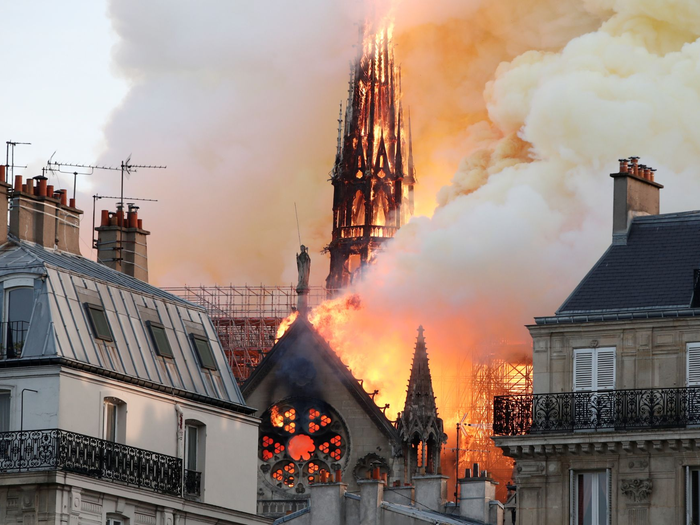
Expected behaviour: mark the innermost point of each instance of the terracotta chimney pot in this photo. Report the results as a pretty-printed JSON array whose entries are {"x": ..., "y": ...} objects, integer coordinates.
[{"x": 18, "y": 182}]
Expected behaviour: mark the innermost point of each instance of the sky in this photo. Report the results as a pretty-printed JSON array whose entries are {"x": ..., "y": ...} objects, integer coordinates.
[{"x": 520, "y": 111}]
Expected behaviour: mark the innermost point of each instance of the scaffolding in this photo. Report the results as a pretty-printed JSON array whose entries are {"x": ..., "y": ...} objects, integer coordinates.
[
  {"x": 247, "y": 317},
  {"x": 499, "y": 369}
]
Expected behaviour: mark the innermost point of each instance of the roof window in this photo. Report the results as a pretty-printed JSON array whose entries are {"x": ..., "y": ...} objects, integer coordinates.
[
  {"x": 206, "y": 357},
  {"x": 99, "y": 322},
  {"x": 160, "y": 339}
]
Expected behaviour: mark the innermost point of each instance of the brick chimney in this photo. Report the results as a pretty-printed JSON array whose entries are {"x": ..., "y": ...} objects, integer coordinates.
[
  {"x": 121, "y": 242},
  {"x": 43, "y": 216},
  {"x": 635, "y": 193},
  {"x": 477, "y": 498}
]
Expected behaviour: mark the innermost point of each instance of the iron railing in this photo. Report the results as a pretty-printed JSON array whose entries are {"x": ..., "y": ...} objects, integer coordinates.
[
  {"x": 13, "y": 336},
  {"x": 32, "y": 450},
  {"x": 609, "y": 410},
  {"x": 274, "y": 508},
  {"x": 193, "y": 483}
]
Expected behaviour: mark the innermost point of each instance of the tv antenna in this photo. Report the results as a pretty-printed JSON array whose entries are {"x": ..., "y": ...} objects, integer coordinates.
[
  {"x": 10, "y": 158},
  {"x": 128, "y": 168},
  {"x": 97, "y": 197},
  {"x": 57, "y": 166}
]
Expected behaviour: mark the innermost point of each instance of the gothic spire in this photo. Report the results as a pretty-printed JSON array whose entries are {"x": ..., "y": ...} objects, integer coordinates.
[{"x": 420, "y": 398}]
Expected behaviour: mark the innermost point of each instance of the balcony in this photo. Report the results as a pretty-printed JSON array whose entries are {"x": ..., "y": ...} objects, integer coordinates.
[
  {"x": 193, "y": 484},
  {"x": 663, "y": 408},
  {"x": 45, "y": 450},
  {"x": 13, "y": 336}
]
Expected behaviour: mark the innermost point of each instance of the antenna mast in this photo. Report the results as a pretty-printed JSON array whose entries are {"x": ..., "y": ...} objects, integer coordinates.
[
  {"x": 10, "y": 158},
  {"x": 129, "y": 168}
]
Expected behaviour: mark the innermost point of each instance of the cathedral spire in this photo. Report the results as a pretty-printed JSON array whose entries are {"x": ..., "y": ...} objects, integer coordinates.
[{"x": 419, "y": 426}]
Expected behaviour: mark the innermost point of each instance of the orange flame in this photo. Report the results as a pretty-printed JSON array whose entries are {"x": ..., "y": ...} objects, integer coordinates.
[{"x": 276, "y": 418}]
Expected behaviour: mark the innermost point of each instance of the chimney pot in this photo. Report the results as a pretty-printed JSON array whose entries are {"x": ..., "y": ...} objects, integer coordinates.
[
  {"x": 72, "y": 203},
  {"x": 623, "y": 165},
  {"x": 49, "y": 191},
  {"x": 140, "y": 224},
  {"x": 18, "y": 182},
  {"x": 104, "y": 218},
  {"x": 42, "y": 186},
  {"x": 376, "y": 473},
  {"x": 24, "y": 188},
  {"x": 2, "y": 173},
  {"x": 338, "y": 476}
]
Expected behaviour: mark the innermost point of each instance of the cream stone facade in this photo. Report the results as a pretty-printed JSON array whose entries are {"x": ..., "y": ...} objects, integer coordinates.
[{"x": 611, "y": 433}]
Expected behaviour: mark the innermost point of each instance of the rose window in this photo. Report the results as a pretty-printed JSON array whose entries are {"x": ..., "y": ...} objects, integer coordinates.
[{"x": 302, "y": 441}]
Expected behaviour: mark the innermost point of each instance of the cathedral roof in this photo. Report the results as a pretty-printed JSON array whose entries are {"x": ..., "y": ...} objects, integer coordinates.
[{"x": 302, "y": 333}]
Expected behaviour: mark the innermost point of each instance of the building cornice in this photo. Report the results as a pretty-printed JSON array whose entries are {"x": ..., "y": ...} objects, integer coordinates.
[{"x": 150, "y": 385}]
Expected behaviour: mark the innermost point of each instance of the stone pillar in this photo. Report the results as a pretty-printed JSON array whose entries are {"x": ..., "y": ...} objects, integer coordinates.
[
  {"x": 431, "y": 492},
  {"x": 371, "y": 497},
  {"x": 328, "y": 503},
  {"x": 475, "y": 496}
]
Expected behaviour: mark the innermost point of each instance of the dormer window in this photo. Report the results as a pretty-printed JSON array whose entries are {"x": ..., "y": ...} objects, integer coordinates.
[
  {"x": 201, "y": 345},
  {"x": 19, "y": 304},
  {"x": 160, "y": 339},
  {"x": 99, "y": 322}
]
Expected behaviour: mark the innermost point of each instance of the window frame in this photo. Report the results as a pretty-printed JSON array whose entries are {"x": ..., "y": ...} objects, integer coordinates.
[
  {"x": 110, "y": 403},
  {"x": 574, "y": 493},
  {"x": 156, "y": 346},
  {"x": 9, "y": 286},
  {"x": 596, "y": 354},
  {"x": 90, "y": 308},
  {"x": 194, "y": 338}
]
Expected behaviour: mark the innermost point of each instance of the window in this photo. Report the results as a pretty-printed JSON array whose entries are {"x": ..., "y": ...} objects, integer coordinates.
[
  {"x": 114, "y": 420},
  {"x": 98, "y": 320},
  {"x": 206, "y": 357},
  {"x": 195, "y": 437},
  {"x": 693, "y": 364},
  {"x": 160, "y": 339},
  {"x": 19, "y": 303},
  {"x": 692, "y": 495},
  {"x": 594, "y": 369},
  {"x": 4, "y": 411},
  {"x": 590, "y": 498}
]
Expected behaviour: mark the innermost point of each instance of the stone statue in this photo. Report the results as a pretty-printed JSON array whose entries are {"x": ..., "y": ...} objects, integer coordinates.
[{"x": 304, "y": 267}]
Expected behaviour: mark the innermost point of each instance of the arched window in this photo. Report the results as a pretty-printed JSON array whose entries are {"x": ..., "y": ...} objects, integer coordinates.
[
  {"x": 358, "y": 209},
  {"x": 17, "y": 312},
  {"x": 380, "y": 208},
  {"x": 195, "y": 450},
  {"x": 114, "y": 420}
]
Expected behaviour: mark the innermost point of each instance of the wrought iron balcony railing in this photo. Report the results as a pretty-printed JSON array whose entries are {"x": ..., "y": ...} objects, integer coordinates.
[
  {"x": 193, "y": 483},
  {"x": 608, "y": 410},
  {"x": 32, "y": 450},
  {"x": 13, "y": 336}
]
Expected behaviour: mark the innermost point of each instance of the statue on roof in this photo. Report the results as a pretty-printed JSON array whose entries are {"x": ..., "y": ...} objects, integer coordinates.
[{"x": 304, "y": 268}]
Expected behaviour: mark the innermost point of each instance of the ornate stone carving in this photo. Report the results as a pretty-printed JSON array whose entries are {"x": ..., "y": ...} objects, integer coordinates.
[{"x": 636, "y": 489}]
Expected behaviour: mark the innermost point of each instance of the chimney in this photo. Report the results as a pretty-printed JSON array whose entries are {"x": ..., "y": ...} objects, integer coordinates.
[
  {"x": 635, "y": 193},
  {"x": 477, "y": 500},
  {"x": 4, "y": 187},
  {"x": 327, "y": 503},
  {"x": 431, "y": 492},
  {"x": 121, "y": 242},
  {"x": 42, "y": 218},
  {"x": 371, "y": 497}
]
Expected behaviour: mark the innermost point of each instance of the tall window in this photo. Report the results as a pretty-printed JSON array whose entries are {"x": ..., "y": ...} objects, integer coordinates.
[
  {"x": 4, "y": 411},
  {"x": 594, "y": 369},
  {"x": 19, "y": 303},
  {"x": 195, "y": 437},
  {"x": 692, "y": 495},
  {"x": 590, "y": 498},
  {"x": 114, "y": 420},
  {"x": 192, "y": 445}
]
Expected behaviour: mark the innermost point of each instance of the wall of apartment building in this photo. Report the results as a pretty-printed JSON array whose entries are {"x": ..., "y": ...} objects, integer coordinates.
[{"x": 649, "y": 353}]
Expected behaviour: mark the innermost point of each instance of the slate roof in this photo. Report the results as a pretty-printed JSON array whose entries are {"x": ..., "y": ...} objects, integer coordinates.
[
  {"x": 653, "y": 271},
  {"x": 298, "y": 334},
  {"x": 60, "y": 331}
]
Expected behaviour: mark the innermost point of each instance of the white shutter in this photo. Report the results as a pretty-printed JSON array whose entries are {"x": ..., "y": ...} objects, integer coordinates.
[
  {"x": 583, "y": 369},
  {"x": 605, "y": 369},
  {"x": 693, "y": 364}
]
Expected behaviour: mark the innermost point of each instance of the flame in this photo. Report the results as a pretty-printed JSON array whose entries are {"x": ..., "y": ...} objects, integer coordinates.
[
  {"x": 276, "y": 418},
  {"x": 285, "y": 324}
]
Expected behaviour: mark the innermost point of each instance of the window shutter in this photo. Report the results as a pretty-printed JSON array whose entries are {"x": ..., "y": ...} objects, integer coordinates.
[
  {"x": 693, "y": 364},
  {"x": 605, "y": 369},
  {"x": 583, "y": 369}
]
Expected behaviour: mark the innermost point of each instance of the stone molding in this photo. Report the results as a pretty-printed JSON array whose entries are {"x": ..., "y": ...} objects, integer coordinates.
[
  {"x": 637, "y": 490},
  {"x": 575, "y": 444}
]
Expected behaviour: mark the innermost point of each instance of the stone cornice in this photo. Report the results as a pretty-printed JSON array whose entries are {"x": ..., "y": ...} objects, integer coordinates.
[{"x": 577, "y": 444}]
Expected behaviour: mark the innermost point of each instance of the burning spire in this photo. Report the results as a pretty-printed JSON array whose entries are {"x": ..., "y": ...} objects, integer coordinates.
[{"x": 373, "y": 194}]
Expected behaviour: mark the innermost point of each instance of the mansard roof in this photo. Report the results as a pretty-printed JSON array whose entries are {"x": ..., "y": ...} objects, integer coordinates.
[
  {"x": 655, "y": 271},
  {"x": 60, "y": 332},
  {"x": 302, "y": 333}
]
